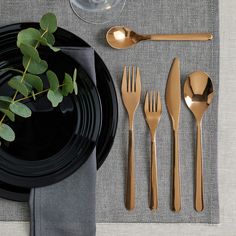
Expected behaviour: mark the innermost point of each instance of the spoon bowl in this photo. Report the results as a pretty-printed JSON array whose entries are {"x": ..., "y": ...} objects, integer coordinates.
[
  {"x": 198, "y": 94},
  {"x": 120, "y": 37}
]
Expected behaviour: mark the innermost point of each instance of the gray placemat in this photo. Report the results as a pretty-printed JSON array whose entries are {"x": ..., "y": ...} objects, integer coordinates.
[{"x": 154, "y": 60}]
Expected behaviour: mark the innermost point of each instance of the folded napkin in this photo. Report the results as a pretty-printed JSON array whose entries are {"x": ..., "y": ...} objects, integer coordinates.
[{"x": 67, "y": 208}]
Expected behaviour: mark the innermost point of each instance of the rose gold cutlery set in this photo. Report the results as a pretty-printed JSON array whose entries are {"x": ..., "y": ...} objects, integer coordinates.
[{"x": 198, "y": 94}]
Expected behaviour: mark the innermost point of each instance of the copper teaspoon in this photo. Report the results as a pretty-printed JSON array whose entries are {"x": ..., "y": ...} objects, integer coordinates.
[
  {"x": 121, "y": 37},
  {"x": 198, "y": 94}
]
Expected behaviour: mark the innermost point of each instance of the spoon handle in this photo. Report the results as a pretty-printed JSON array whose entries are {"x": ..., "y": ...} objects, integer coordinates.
[
  {"x": 199, "y": 205},
  {"x": 182, "y": 37},
  {"x": 176, "y": 176}
]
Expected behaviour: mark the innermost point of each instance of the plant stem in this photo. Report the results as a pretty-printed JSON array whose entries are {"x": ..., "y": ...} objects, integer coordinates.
[
  {"x": 23, "y": 76},
  {"x": 2, "y": 119},
  {"x": 36, "y": 94}
]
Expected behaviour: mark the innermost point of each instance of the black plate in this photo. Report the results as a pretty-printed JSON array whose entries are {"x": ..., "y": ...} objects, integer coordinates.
[
  {"x": 53, "y": 142},
  {"x": 105, "y": 87}
]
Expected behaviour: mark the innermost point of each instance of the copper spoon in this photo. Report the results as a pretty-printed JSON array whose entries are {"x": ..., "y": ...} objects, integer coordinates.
[
  {"x": 121, "y": 37},
  {"x": 198, "y": 94}
]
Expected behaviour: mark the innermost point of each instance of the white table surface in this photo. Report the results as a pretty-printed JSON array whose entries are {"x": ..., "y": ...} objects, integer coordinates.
[{"x": 226, "y": 154}]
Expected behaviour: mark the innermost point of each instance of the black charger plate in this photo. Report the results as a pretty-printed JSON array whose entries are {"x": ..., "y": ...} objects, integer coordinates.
[{"x": 105, "y": 87}]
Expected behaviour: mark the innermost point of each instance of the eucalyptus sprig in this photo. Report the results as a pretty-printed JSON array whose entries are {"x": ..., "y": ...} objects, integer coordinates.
[{"x": 28, "y": 83}]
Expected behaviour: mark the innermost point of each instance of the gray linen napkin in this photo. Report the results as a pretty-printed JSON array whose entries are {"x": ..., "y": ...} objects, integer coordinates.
[{"x": 67, "y": 208}]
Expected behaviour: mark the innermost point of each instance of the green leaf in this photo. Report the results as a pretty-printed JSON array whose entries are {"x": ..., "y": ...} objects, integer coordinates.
[
  {"x": 35, "y": 67},
  {"x": 35, "y": 81},
  {"x": 8, "y": 113},
  {"x": 7, "y": 133},
  {"x": 49, "y": 37},
  {"x": 28, "y": 50},
  {"x": 5, "y": 102},
  {"x": 43, "y": 41},
  {"x": 53, "y": 80},
  {"x": 16, "y": 84},
  {"x": 49, "y": 22},
  {"x": 74, "y": 82},
  {"x": 55, "y": 97},
  {"x": 20, "y": 109},
  {"x": 5, "y": 98},
  {"x": 28, "y": 36},
  {"x": 68, "y": 86},
  {"x": 55, "y": 49}
]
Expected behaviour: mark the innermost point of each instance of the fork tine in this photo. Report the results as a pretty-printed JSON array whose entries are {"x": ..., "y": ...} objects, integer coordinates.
[
  {"x": 159, "y": 106},
  {"x": 156, "y": 107},
  {"x": 124, "y": 81},
  {"x": 150, "y": 102},
  {"x": 146, "y": 104},
  {"x": 138, "y": 81},
  {"x": 154, "y": 101},
  {"x": 133, "y": 79},
  {"x": 129, "y": 80}
]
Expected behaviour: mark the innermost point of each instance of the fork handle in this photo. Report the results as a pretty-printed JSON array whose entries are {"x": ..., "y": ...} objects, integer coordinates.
[
  {"x": 153, "y": 178},
  {"x": 176, "y": 176},
  {"x": 130, "y": 194}
]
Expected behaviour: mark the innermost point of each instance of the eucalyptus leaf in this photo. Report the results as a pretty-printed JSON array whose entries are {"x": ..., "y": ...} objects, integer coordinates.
[
  {"x": 4, "y": 105},
  {"x": 68, "y": 86},
  {"x": 20, "y": 109},
  {"x": 16, "y": 84},
  {"x": 6, "y": 132},
  {"x": 8, "y": 113},
  {"x": 28, "y": 36},
  {"x": 35, "y": 67},
  {"x": 53, "y": 80},
  {"x": 28, "y": 86},
  {"x": 5, "y": 98},
  {"x": 49, "y": 37},
  {"x": 35, "y": 81},
  {"x": 49, "y": 22},
  {"x": 5, "y": 102},
  {"x": 28, "y": 50},
  {"x": 43, "y": 41},
  {"x": 55, "y": 97}
]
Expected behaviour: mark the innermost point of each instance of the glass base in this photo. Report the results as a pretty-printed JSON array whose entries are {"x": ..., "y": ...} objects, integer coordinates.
[{"x": 98, "y": 11}]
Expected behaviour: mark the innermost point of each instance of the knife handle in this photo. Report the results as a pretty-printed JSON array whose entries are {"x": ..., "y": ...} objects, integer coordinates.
[
  {"x": 130, "y": 194},
  {"x": 176, "y": 176}
]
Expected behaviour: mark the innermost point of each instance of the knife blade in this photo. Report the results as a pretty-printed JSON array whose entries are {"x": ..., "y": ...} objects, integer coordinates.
[{"x": 173, "y": 103}]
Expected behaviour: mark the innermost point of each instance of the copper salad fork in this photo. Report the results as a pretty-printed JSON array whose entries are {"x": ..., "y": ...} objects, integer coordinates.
[
  {"x": 131, "y": 92},
  {"x": 153, "y": 110}
]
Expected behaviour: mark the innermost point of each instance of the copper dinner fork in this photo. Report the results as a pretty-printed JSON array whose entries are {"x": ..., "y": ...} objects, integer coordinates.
[
  {"x": 131, "y": 92},
  {"x": 153, "y": 110}
]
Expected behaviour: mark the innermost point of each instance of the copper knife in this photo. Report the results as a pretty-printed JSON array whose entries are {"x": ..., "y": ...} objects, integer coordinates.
[{"x": 173, "y": 102}]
